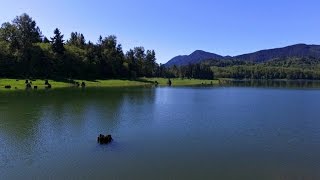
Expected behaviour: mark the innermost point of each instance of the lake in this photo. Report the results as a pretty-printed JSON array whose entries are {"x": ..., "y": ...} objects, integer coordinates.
[{"x": 161, "y": 133}]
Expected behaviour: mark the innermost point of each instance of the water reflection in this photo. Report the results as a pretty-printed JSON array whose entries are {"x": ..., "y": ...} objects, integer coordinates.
[
  {"x": 33, "y": 122},
  {"x": 27, "y": 108},
  {"x": 272, "y": 83},
  {"x": 166, "y": 132}
]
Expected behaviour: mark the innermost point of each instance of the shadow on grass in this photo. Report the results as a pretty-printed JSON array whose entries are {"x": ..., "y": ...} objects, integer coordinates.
[
  {"x": 144, "y": 80},
  {"x": 72, "y": 81}
]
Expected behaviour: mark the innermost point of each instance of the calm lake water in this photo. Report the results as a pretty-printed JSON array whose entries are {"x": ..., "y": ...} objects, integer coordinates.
[{"x": 161, "y": 133}]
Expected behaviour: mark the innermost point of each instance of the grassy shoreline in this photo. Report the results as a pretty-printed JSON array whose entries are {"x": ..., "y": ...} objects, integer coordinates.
[{"x": 19, "y": 84}]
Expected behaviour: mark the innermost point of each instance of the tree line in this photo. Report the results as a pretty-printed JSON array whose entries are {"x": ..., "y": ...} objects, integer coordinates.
[
  {"x": 25, "y": 53},
  {"x": 292, "y": 68}
]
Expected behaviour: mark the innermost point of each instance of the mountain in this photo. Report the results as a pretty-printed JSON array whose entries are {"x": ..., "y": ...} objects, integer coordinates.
[
  {"x": 195, "y": 57},
  {"x": 297, "y": 50}
]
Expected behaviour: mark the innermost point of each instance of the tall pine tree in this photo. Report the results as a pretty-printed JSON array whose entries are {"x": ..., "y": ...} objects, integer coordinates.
[{"x": 57, "y": 42}]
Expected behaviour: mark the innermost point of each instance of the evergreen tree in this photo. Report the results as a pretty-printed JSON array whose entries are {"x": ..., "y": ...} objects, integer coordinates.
[
  {"x": 77, "y": 39},
  {"x": 73, "y": 39},
  {"x": 150, "y": 63},
  {"x": 45, "y": 40},
  {"x": 57, "y": 42}
]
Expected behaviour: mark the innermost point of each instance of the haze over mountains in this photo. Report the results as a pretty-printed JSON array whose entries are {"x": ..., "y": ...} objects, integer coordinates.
[{"x": 297, "y": 50}]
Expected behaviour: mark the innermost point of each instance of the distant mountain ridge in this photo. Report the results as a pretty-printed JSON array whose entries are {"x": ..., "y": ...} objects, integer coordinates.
[
  {"x": 297, "y": 50},
  {"x": 195, "y": 57}
]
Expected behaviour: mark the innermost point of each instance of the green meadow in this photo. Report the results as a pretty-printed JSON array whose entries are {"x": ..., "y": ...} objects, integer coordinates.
[{"x": 20, "y": 84}]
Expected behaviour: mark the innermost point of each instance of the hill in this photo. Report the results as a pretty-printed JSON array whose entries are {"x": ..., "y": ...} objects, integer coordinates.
[
  {"x": 298, "y": 50},
  {"x": 194, "y": 58}
]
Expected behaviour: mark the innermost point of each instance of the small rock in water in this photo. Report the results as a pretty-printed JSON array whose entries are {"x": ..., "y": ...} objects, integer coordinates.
[{"x": 102, "y": 139}]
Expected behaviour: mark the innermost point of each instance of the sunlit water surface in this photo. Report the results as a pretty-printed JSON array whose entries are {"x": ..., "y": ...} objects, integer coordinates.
[{"x": 161, "y": 133}]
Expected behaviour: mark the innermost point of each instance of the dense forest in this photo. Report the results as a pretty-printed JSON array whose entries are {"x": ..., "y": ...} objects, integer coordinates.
[
  {"x": 26, "y": 53},
  {"x": 281, "y": 68}
]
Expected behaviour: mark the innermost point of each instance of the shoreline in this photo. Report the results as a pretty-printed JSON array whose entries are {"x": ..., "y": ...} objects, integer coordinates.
[{"x": 20, "y": 84}]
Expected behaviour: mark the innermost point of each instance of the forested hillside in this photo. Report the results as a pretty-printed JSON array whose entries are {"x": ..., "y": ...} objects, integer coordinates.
[
  {"x": 297, "y": 50},
  {"x": 282, "y": 68},
  {"x": 26, "y": 53}
]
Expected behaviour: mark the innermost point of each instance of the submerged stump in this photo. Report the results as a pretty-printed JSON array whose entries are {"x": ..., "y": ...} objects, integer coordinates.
[
  {"x": 28, "y": 86},
  {"x": 102, "y": 139},
  {"x": 169, "y": 82},
  {"x": 48, "y": 86}
]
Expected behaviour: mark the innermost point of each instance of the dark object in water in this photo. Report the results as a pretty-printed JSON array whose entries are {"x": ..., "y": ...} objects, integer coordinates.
[
  {"x": 27, "y": 81},
  {"x": 7, "y": 87},
  {"x": 28, "y": 86},
  {"x": 35, "y": 87},
  {"x": 102, "y": 139},
  {"x": 48, "y": 86},
  {"x": 46, "y": 82},
  {"x": 77, "y": 84},
  {"x": 169, "y": 82},
  {"x": 83, "y": 84}
]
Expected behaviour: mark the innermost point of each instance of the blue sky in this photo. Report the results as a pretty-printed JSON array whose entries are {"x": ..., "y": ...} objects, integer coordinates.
[{"x": 174, "y": 27}]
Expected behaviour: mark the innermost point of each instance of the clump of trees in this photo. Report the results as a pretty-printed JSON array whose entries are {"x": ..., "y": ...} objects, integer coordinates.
[
  {"x": 196, "y": 71},
  {"x": 25, "y": 52}
]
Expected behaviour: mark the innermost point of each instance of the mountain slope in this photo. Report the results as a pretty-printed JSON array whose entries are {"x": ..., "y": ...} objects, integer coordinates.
[
  {"x": 195, "y": 57},
  {"x": 298, "y": 50}
]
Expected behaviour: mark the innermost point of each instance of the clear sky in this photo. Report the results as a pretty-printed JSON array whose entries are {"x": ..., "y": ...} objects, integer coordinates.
[{"x": 174, "y": 27}]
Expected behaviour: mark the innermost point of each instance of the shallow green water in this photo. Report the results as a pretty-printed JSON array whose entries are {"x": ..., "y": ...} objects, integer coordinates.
[{"x": 161, "y": 133}]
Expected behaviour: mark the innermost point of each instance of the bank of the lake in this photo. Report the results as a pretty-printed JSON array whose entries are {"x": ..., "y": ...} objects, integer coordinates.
[
  {"x": 271, "y": 83},
  {"x": 19, "y": 84}
]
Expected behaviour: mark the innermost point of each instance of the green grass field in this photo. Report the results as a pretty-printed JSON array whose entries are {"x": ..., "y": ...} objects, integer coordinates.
[
  {"x": 20, "y": 83},
  {"x": 182, "y": 82}
]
